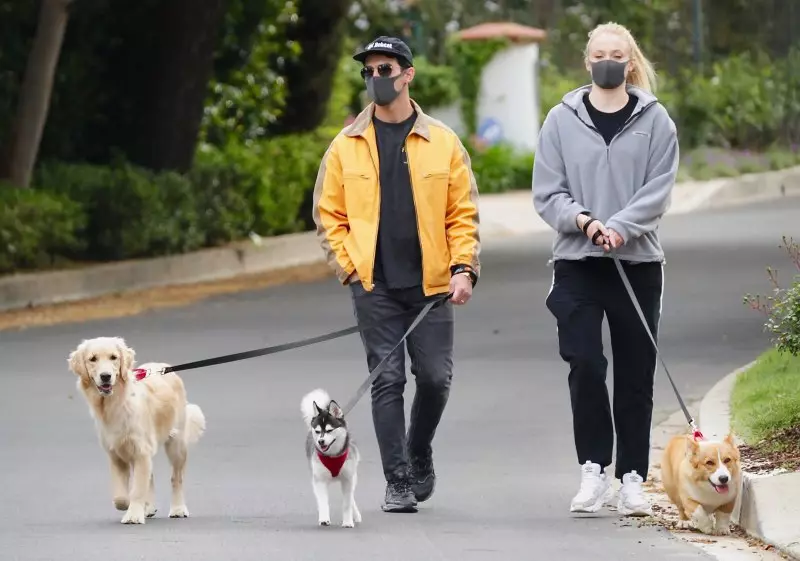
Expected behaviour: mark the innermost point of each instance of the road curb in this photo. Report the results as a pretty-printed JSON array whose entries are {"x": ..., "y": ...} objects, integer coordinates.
[
  {"x": 214, "y": 264},
  {"x": 768, "y": 506},
  {"x": 502, "y": 215}
]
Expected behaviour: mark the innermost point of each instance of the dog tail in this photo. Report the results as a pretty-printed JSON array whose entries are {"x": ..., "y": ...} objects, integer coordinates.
[
  {"x": 318, "y": 396},
  {"x": 195, "y": 423}
]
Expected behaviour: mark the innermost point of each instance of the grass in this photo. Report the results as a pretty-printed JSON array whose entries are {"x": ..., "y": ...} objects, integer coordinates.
[
  {"x": 766, "y": 398},
  {"x": 710, "y": 163}
]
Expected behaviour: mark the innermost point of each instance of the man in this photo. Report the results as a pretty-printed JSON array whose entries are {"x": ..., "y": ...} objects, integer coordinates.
[{"x": 396, "y": 209}]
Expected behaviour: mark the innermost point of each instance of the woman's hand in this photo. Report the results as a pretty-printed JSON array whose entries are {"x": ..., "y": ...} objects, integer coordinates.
[
  {"x": 595, "y": 231},
  {"x": 615, "y": 239}
]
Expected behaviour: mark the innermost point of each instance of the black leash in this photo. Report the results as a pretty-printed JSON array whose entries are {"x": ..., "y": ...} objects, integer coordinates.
[
  {"x": 273, "y": 349},
  {"x": 696, "y": 432},
  {"x": 382, "y": 364}
]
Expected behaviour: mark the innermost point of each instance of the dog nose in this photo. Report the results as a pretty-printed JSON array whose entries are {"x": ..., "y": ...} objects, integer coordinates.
[
  {"x": 105, "y": 378},
  {"x": 321, "y": 441},
  {"x": 723, "y": 478}
]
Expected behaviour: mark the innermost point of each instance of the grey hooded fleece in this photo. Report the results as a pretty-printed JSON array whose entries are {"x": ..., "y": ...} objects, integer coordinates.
[{"x": 627, "y": 185}]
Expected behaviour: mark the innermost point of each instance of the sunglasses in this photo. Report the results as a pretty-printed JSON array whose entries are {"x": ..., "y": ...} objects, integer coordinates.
[{"x": 384, "y": 69}]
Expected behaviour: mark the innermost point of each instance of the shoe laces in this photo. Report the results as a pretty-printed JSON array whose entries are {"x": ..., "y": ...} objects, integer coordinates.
[
  {"x": 589, "y": 479},
  {"x": 400, "y": 486},
  {"x": 632, "y": 487}
]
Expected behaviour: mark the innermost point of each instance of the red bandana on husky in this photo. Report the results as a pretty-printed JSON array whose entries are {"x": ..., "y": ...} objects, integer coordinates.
[{"x": 333, "y": 463}]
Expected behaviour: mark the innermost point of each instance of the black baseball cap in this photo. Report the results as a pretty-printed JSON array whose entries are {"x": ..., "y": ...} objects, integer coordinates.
[{"x": 391, "y": 46}]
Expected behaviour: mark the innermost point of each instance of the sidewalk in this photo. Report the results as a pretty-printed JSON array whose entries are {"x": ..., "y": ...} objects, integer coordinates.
[{"x": 502, "y": 215}]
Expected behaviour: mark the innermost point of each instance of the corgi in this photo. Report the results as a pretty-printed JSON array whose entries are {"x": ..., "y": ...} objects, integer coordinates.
[{"x": 702, "y": 479}]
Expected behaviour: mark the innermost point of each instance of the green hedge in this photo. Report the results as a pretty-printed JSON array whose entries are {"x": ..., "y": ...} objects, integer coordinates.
[{"x": 36, "y": 228}]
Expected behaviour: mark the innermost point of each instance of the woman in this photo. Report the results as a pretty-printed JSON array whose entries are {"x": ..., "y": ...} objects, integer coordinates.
[{"x": 605, "y": 166}]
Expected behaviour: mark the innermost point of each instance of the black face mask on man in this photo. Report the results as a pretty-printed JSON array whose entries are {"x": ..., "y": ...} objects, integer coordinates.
[
  {"x": 381, "y": 89},
  {"x": 608, "y": 74}
]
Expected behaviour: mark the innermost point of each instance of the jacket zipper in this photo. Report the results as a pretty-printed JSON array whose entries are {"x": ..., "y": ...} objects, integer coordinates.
[
  {"x": 378, "y": 217},
  {"x": 622, "y": 129},
  {"x": 416, "y": 210}
]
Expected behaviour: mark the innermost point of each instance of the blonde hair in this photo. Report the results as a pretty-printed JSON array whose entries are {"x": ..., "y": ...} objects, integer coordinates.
[{"x": 642, "y": 75}]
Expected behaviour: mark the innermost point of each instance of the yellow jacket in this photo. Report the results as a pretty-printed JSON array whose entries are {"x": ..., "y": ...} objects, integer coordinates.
[{"x": 347, "y": 201}]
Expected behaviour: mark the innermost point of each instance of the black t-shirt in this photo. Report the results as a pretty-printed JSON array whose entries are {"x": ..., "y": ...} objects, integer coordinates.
[
  {"x": 609, "y": 123},
  {"x": 398, "y": 257}
]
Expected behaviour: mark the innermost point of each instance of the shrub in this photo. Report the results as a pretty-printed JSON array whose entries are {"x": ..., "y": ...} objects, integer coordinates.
[
  {"x": 434, "y": 85},
  {"x": 553, "y": 84},
  {"x": 248, "y": 91},
  {"x": 272, "y": 175},
  {"x": 131, "y": 212},
  {"x": 500, "y": 168},
  {"x": 36, "y": 227},
  {"x": 746, "y": 101},
  {"x": 783, "y": 307}
]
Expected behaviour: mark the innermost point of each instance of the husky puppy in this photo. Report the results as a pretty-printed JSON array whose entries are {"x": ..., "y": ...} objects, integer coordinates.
[{"x": 331, "y": 454}]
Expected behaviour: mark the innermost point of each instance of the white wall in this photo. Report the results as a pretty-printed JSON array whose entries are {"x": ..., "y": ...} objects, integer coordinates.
[
  {"x": 450, "y": 115},
  {"x": 508, "y": 95}
]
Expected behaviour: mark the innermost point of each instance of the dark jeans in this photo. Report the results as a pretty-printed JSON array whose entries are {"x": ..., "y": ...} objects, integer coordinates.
[
  {"x": 430, "y": 347},
  {"x": 582, "y": 293}
]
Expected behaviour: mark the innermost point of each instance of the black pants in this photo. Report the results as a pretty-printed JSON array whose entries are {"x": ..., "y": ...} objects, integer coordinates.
[
  {"x": 582, "y": 293},
  {"x": 430, "y": 347}
]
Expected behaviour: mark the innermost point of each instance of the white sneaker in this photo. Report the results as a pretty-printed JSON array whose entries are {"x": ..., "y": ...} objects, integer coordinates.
[
  {"x": 632, "y": 501},
  {"x": 595, "y": 486}
]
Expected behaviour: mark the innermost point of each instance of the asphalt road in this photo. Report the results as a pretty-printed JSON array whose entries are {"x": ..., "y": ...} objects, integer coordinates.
[{"x": 504, "y": 451}]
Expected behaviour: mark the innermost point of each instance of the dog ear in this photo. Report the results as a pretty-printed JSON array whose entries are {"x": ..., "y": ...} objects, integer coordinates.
[
  {"x": 126, "y": 358},
  {"x": 317, "y": 410},
  {"x": 76, "y": 362},
  {"x": 335, "y": 410},
  {"x": 692, "y": 447},
  {"x": 730, "y": 440}
]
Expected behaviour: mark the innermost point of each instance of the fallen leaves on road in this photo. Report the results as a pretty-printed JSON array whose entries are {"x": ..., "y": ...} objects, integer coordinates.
[{"x": 137, "y": 302}]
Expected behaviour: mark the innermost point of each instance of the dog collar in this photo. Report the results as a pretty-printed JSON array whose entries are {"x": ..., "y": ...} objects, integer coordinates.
[{"x": 333, "y": 463}]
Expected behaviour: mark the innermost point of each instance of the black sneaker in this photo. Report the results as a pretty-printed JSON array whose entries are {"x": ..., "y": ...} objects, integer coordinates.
[
  {"x": 423, "y": 478},
  {"x": 399, "y": 497}
]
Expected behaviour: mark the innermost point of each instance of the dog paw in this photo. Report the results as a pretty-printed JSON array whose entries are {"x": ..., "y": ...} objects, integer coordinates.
[
  {"x": 684, "y": 525},
  {"x": 722, "y": 530},
  {"x": 121, "y": 503},
  {"x": 179, "y": 511},
  {"x": 348, "y": 524},
  {"x": 134, "y": 515},
  {"x": 324, "y": 522},
  {"x": 150, "y": 510}
]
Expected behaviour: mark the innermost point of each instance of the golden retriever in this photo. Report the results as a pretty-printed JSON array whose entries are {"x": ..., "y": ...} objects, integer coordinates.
[{"x": 133, "y": 418}]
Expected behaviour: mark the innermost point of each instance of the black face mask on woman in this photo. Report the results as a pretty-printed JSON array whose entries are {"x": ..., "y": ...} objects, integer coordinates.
[{"x": 608, "y": 74}]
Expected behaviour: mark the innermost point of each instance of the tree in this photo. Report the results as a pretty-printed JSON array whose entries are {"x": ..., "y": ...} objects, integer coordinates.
[
  {"x": 34, "y": 97},
  {"x": 320, "y": 30},
  {"x": 168, "y": 106}
]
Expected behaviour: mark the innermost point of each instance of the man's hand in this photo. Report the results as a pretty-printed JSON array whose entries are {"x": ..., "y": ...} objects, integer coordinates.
[{"x": 461, "y": 287}]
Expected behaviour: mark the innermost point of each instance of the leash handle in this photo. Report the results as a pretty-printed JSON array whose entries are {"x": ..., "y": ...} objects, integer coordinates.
[{"x": 695, "y": 431}]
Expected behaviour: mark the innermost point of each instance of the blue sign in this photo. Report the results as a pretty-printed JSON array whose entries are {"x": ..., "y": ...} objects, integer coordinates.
[{"x": 490, "y": 131}]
